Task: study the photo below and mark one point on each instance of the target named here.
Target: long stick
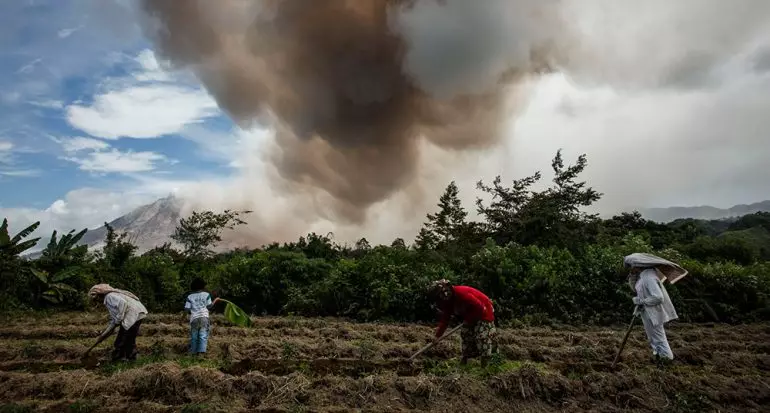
(623, 344)
(432, 343)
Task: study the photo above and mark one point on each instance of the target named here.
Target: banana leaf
(236, 315)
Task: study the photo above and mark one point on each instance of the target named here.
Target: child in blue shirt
(198, 304)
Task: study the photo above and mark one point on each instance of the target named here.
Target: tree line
(536, 253)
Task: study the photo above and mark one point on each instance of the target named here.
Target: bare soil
(328, 365)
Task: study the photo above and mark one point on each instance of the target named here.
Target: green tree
(52, 288)
(555, 217)
(16, 245)
(61, 268)
(398, 243)
(503, 210)
(447, 223)
(118, 249)
(63, 252)
(16, 281)
(552, 217)
(202, 230)
(363, 245)
(759, 219)
(426, 239)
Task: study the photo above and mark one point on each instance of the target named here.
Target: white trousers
(656, 335)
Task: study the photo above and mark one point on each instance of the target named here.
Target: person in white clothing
(126, 313)
(198, 304)
(655, 308)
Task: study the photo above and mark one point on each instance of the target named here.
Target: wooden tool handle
(432, 343)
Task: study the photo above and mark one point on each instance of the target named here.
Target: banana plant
(53, 285)
(65, 246)
(16, 245)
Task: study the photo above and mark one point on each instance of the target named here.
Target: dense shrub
(537, 256)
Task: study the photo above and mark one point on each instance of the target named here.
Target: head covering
(440, 289)
(104, 289)
(665, 269)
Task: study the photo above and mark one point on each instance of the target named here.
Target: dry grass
(296, 364)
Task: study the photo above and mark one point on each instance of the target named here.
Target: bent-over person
(479, 337)
(126, 314)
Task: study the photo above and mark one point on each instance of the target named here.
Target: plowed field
(306, 365)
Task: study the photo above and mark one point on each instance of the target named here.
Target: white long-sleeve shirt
(124, 310)
(654, 298)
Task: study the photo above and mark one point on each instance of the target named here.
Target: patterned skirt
(479, 339)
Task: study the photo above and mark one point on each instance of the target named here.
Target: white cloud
(151, 69)
(8, 162)
(80, 208)
(94, 155)
(65, 33)
(83, 144)
(47, 103)
(6, 154)
(29, 67)
(659, 128)
(117, 161)
(142, 112)
(20, 173)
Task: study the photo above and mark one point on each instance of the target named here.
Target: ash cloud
(352, 86)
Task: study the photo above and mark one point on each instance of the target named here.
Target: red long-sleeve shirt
(470, 304)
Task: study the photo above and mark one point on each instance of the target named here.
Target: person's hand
(636, 301)
(216, 300)
(435, 340)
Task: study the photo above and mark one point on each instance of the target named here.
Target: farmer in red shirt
(478, 332)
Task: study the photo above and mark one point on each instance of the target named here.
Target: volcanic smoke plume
(350, 86)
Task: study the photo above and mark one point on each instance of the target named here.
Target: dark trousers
(125, 343)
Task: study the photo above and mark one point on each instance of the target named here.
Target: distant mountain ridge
(148, 226)
(703, 212)
(151, 225)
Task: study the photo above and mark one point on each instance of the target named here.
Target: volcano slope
(327, 365)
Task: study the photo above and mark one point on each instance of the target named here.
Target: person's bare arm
(107, 332)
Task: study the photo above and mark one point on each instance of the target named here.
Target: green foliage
(83, 406)
(235, 315)
(155, 279)
(535, 253)
(552, 217)
(14, 246)
(196, 408)
(118, 250)
(496, 366)
(444, 226)
(15, 408)
(53, 288)
(202, 230)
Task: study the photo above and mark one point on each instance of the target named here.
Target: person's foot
(661, 361)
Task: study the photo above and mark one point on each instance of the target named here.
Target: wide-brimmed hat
(666, 270)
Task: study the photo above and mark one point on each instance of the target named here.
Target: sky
(669, 100)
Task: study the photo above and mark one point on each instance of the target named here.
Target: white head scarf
(104, 289)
